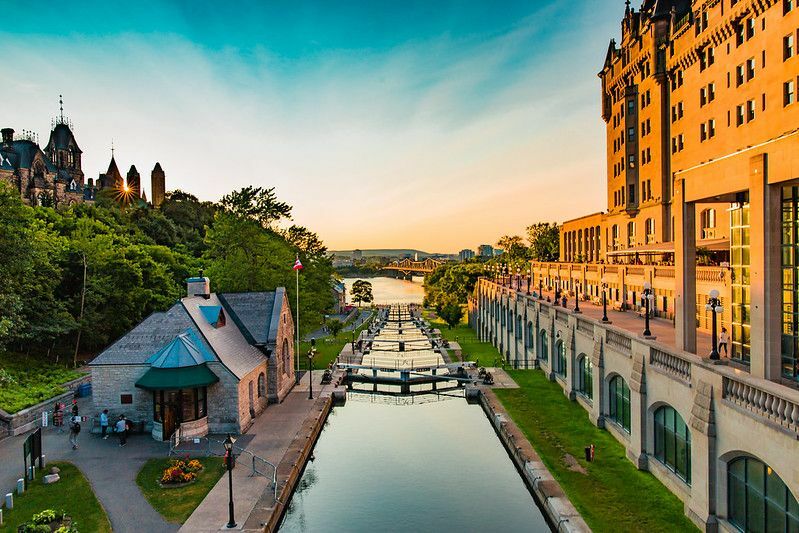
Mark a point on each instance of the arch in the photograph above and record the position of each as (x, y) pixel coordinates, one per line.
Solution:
(560, 358)
(251, 396)
(261, 385)
(530, 334)
(544, 344)
(757, 498)
(584, 381)
(519, 328)
(673, 441)
(619, 401)
(286, 356)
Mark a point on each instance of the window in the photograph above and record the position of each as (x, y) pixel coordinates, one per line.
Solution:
(631, 234)
(630, 134)
(261, 385)
(585, 376)
(740, 264)
(544, 346)
(702, 96)
(673, 442)
(711, 128)
(702, 131)
(286, 357)
(530, 335)
(707, 220)
(711, 92)
(750, 110)
(619, 402)
(126, 399)
(787, 6)
(758, 499)
(739, 75)
(788, 93)
(631, 107)
(614, 233)
(649, 227)
(560, 365)
(787, 47)
(631, 160)
(739, 115)
(750, 69)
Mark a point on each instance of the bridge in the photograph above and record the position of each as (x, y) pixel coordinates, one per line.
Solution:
(409, 266)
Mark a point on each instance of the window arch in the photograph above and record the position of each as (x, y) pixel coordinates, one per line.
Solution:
(530, 334)
(585, 376)
(286, 357)
(758, 499)
(261, 385)
(673, 442)
(560, 353)
(519, 328)
(544, 346)
(619, 402)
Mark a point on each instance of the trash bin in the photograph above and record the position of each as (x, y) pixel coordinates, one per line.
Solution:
(588, 453)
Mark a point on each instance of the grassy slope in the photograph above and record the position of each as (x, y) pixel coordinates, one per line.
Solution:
(327, 349)
(72, 494)
(35, 380)
(614, 495)
(177, 504)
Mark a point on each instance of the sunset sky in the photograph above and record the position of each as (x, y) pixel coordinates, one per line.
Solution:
(430, 125)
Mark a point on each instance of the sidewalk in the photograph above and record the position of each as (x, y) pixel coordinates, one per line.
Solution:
(272, 433)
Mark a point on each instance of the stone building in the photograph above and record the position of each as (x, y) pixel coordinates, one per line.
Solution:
(209, 364)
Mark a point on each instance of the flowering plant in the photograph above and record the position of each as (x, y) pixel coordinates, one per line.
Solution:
(180, 471)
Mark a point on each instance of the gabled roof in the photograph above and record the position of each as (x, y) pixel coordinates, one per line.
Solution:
(256, 313)
(61, 137)
(187, 349)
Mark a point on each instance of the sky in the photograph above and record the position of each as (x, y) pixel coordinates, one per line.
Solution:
(429, 125)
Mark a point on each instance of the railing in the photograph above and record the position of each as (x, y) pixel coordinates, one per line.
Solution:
(635, 271)
(766, 404)
(664, 272)
(710, 274)
(591, 268)
(544, 310)
(671, 364)
(561, 316)
(585, 327)
(622, 342)
(612, 269)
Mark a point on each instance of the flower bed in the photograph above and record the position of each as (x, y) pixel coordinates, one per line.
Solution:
(48, 521)
(180, 472)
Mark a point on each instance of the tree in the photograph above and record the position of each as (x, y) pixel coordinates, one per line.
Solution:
(451, 282)
(361, 292)
(544, 241)
(513, 246)
(334, 325)
(451, 313)
(258, 204)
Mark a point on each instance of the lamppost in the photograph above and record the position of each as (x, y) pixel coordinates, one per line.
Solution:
(649, 296)
(518, 279)
(228, 443)
(311, 353)
(714, 306)
(529, 279)
(540, 287)
(605, 300)
(577, 297)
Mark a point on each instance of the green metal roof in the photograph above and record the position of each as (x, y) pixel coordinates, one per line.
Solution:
(177, 378)
(184, 350)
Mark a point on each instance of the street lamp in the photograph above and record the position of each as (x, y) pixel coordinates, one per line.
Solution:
(518, 278)
(311, 353)
(540, 287)
(577, 297)
(529, 278)
(605, 300)
(714, 306)
(228, 443)
(649, 296)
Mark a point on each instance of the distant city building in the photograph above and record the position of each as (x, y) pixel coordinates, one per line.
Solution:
(485, 250)
(357, 254)
(465, 254)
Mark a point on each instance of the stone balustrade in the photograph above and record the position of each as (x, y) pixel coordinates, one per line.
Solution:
(619, 341)
(671, 364)
(774, 407)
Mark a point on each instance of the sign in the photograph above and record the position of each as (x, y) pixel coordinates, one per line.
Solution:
(45, 419)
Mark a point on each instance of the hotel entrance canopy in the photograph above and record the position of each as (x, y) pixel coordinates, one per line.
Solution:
(712, 245)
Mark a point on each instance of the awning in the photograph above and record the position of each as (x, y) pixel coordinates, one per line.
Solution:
(187, 377)
(712, 245)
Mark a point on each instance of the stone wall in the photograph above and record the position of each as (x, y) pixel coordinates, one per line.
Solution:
(30, 418)
(281, 367)
(248, 387)
(110, 382)
(223, 401)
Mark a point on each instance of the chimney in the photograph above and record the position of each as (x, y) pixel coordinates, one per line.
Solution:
(8, 135)
(198, 286)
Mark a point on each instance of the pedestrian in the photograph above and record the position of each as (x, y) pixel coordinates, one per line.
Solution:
(122, 430)
(74, 430)
(58, 416)
(74, 407)
(724, 338)
(564, 301)
(104, 424)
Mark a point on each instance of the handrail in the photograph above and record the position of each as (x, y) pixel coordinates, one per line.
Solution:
(620, 341)
(671, 364)
(767, 404)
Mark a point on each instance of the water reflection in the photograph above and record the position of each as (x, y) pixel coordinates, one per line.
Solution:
(392, 290)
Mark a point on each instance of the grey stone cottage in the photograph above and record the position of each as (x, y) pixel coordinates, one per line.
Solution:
(209, 364)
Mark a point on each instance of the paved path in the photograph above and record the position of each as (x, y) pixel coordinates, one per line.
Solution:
(272, 433)
(111, 470)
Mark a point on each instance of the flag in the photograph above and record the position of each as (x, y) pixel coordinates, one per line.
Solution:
(297, 264)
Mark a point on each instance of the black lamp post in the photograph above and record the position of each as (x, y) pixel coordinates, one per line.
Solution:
(577, 298)
(229, 451)
(518, 279)
(605, 301)
(648, 297)
(529, 278)
(311, 353)
(714, 306)
(540, 288)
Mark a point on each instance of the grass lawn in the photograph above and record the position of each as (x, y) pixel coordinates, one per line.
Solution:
(177, 504)
(327, 349)
(72, 494)
(471, 347)
(28, 380)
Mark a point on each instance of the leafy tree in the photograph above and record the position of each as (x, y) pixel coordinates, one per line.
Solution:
(334, 326)
(451, 313)
(451, 282)
(258, 204)
(190, 217)
(305, 241)
(544, 241)
(361, 292)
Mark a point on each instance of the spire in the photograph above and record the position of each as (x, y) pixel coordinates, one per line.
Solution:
(627, 9)
(61, 106)
(112, 149)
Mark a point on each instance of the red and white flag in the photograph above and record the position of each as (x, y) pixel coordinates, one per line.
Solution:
(297, 264)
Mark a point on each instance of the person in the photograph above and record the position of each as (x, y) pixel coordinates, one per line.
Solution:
(122, 430)
(58, 416)
(104, 424)
(74, 430)
(724, 338)
(564, 301)
(74, 407)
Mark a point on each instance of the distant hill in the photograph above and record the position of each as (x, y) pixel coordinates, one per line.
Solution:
(387, 252)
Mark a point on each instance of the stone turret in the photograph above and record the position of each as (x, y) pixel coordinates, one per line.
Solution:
(158, 185)
(134, 182)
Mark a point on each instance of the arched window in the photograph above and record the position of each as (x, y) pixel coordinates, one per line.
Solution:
(619, 402)
(530, 335)
(544, 346)
(757, 499)
(261, 385)
(585, 373)
(614, 237)
(519, 329)
(631, 240)
(510, 319)
(286, 357)
(560, 365)
(673, 442)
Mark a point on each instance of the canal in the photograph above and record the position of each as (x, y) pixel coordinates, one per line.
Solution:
(392, 290)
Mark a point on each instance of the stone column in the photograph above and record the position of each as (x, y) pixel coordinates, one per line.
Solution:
(684, 270)
(702, 505)
(765, 271)
(637, 450)
(598, 376)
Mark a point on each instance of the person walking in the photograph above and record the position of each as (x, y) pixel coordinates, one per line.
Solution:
(74, 407)
(122, 430)
(74, 430)
(104, 424)
(724, 338)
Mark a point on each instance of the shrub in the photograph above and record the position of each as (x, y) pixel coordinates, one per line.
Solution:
(181, 471)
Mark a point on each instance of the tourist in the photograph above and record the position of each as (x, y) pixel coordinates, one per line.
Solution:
(58, 416)
(564, 301)
(74, 407)
(724, 338)
(74, 429)
(104, 424)
(122, 430)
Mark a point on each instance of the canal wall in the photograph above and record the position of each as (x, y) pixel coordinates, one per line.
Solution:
(561, 513)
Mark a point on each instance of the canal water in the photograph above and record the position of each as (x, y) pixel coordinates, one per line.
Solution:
(392, 290)
(412, 463)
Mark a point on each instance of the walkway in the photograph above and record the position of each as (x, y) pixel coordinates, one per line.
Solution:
(111, 470)
(272, 433)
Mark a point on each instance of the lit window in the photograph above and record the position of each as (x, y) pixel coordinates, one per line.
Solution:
(788, 93)
(787, 47)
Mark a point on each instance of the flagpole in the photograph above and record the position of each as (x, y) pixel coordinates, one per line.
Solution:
(297, 352)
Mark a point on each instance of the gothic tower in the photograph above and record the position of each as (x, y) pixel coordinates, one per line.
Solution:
(158, 185)
(134, 182)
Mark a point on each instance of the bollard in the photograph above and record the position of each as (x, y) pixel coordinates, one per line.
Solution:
(20, 486)
(9, 501)
(43, 461)
(31, 472)
(1, 517)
